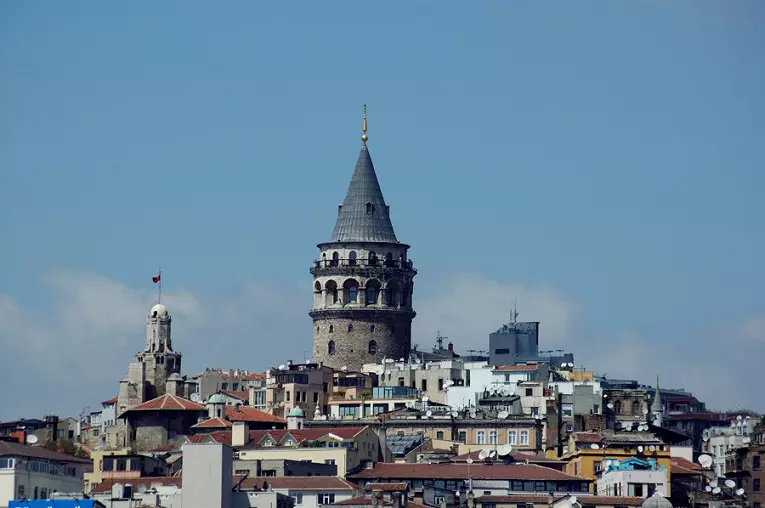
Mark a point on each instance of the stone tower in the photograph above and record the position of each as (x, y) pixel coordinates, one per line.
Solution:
(158, 356)
(363, 281)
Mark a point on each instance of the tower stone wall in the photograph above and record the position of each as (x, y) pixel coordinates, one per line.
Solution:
(362, 281)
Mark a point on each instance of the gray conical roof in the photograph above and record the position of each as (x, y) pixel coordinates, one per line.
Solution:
(364, 216)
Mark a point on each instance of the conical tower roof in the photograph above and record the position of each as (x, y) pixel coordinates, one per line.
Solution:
(364, 216)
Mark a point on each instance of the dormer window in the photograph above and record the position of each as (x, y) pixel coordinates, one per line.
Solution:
(370, 208)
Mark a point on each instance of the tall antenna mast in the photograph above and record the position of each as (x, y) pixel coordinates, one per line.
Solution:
(514, 313)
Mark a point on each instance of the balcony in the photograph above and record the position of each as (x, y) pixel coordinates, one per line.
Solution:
(320, 265)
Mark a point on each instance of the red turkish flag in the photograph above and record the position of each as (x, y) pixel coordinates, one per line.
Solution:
(156, 279)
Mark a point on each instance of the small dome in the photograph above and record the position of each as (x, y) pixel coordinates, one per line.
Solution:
(657, 501)
(159, 309)
(175, 377)
(297, 412)
(217, 399)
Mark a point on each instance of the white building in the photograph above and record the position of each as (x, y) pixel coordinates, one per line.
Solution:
(310, 491)
(633, 477)
(721, 443)
(30, 472)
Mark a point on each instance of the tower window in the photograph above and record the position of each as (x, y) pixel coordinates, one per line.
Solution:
(335, 258)
(331, 347)
(370, 208)
(350, 327)
(352, 258)
(372, 329)
(317, 329)
(331, 329)
(372, 347)
(352, 294)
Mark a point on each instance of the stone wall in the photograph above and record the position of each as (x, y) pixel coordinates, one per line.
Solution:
(392, 338)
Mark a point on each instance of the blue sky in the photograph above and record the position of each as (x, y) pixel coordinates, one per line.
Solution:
(599, 162)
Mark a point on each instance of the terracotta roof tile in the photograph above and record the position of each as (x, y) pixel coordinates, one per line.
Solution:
(312, 434)
(213, 423)
(587, 437)
(250, 414)
(167, 481)
(358, 501)
(13, 449)
(386, 487)
(519, 368)
(384, 471)
(684, 466)
(110, 401)
(303, 483)
(516, 456)
(168, 403)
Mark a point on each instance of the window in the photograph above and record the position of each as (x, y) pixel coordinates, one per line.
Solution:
(462, 436)
(353, 293)
(440, 434)
(350, 328)
(370, 208)
(440, 384)
(372, 347)
(492, 437)
(529, 392)
(524, 438)
(34, 493)
(325, 498)
(315, 397)
(224, 386)
(331, 329)
(756, 484)
(372, 295)
(288, 396)
(756, 462)
(331, 462)
(401, 381)
(235, 386)
(372, 329)
(297, 498)
(480, 437)
(618, 407)
(352, 258)
(502, 351)
(43, 493)
(335, 258)
(424, 385)
(511, 437)
(636, 408)
(331, 347)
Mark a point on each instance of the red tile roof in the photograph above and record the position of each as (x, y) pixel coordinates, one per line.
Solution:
(300, 483)
(684, 466)
(543, 499)
(239, 394)
(588, 437)
(250, 414)
(168, 403)
(213, 423)
(167, 481)
(344, 433)
(357, 501)
(110, 401)
(247, 377)
(460, 471)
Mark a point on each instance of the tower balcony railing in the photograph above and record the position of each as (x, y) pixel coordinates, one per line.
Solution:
(371, 262)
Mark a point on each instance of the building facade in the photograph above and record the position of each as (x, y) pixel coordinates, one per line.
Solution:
(363, 280)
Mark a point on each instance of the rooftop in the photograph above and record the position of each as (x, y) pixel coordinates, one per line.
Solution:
(168, 403)
(250, 414)
(299, 483)
(461, 471)
(13, 449)
(213, 423)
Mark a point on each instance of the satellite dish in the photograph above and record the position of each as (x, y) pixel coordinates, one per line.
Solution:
(594, 446)
(705, 460)
(344, 368)
(573, 499)
(610, 405)
(739, 492)
(652, 448)
(401, 359)
(716, 490)
(429, 413)
(640, 449)
(483, 454)
(739, 418)
(425, 398)
(281, 367)
(730, 484)
(713, 483)
(31, 439)
(615, 462)
(492, 454)
(707, 489)
(504, 450)
(503, 414)
(469, 461)
(455, 414)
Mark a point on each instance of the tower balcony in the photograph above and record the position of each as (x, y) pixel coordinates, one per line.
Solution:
(359, 266)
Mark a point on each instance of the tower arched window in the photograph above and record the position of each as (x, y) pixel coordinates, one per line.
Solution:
(370, 208)
(372, 329)
(635, 407)
(372, 258)
(618, 407)
(335, 259)
(352, 258)
(353, 294)
(373, 290)
(331, 329)
(372, 347)
(350, 327)
(331, 347)
(317, 329)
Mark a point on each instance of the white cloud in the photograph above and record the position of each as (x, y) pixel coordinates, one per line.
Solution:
(73, 356)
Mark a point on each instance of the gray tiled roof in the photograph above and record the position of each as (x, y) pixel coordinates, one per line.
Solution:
(364, 216)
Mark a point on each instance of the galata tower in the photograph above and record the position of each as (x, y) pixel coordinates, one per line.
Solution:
(363, 281)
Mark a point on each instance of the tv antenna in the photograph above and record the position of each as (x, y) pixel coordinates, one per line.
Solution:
(440, 340)
(514, 313)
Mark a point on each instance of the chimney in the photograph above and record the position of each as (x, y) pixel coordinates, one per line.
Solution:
(451, 347)
(239, 435)
(289, 363)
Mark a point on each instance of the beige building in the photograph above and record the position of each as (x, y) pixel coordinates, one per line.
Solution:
(298, 385)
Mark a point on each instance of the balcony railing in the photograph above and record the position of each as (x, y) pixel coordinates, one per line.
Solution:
(371, 262)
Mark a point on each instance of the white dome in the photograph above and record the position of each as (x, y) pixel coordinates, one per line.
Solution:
(158, 310)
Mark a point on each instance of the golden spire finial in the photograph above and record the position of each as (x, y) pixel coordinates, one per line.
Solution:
(364, 136)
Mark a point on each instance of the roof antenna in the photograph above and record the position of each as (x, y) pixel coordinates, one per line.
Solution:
(364, 136)
(514, 313)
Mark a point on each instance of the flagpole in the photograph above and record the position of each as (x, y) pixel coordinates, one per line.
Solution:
(159, 298)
